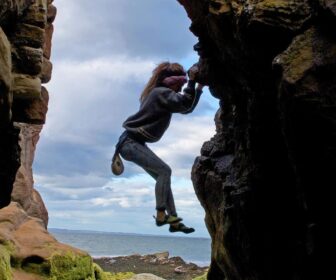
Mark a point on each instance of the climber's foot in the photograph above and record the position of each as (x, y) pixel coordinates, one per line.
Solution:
(167, 219)
(180, 227)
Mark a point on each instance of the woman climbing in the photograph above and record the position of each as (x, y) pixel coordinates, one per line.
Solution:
(159, 100)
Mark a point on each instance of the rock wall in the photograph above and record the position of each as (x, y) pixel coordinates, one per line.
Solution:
(25, 40)
(266, 179)
(25, 46)
(27, 250)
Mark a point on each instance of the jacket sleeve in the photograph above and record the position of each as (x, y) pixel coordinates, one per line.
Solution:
(180, 103)
(196, 98)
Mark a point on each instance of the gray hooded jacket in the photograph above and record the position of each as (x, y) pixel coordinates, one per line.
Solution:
(154, 115)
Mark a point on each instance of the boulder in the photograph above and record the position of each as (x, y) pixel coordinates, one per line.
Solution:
(146, 276)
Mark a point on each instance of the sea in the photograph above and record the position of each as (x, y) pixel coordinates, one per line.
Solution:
(108, 244)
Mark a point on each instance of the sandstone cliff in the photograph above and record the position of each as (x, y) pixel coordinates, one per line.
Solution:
(266, 179)
(27, 250)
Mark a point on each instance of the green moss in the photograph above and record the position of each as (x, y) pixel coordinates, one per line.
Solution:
(276, 4)
(298, 59)
(203, 277)
(121, 276)
(71, 267)
(5, 269)
(58, 267)
(101, 275)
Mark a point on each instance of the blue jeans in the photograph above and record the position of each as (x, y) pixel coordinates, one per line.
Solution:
(140, 154)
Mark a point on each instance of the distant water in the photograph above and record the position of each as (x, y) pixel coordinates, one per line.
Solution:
(103, 244)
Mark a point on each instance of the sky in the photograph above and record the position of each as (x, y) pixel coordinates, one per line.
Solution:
(103, 55)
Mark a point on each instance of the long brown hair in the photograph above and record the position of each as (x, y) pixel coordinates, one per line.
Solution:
(162, 71)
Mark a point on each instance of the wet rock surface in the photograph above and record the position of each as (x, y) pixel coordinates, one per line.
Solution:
(158, 264)
(266, 178)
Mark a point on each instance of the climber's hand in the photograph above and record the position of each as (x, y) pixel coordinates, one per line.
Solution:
(193, 72)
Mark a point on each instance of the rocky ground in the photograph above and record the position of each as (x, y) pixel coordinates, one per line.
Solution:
(174, 268)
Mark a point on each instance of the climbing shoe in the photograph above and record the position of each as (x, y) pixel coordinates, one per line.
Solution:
(167, 220)
(181, 228)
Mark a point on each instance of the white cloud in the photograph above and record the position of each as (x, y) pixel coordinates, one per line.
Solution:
(114, 69)
(147, 28)
(90, 98)
(74, 181)
(134, 195)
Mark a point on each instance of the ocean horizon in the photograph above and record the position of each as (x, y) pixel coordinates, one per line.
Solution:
(101, 244)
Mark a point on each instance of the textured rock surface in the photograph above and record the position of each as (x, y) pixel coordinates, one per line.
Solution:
(23, 191)
(25, 43)
(27, 250)
(33, 250)
(159, 264)
(5, 78)
(266, 178)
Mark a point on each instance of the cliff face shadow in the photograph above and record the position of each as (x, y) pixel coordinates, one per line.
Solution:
(266, 178)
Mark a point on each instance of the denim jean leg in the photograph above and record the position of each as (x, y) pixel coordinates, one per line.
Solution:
(171, 204)
(151, 163)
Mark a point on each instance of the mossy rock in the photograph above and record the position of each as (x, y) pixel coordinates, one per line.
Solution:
(203, 277)
(59, 266)
(62, 264)
(67, 266)
(288, 15)
(71, 267)
(5, 269)
(298, 59)
(102, 275)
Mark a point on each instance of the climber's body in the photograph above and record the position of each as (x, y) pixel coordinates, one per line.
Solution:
(160, 99)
